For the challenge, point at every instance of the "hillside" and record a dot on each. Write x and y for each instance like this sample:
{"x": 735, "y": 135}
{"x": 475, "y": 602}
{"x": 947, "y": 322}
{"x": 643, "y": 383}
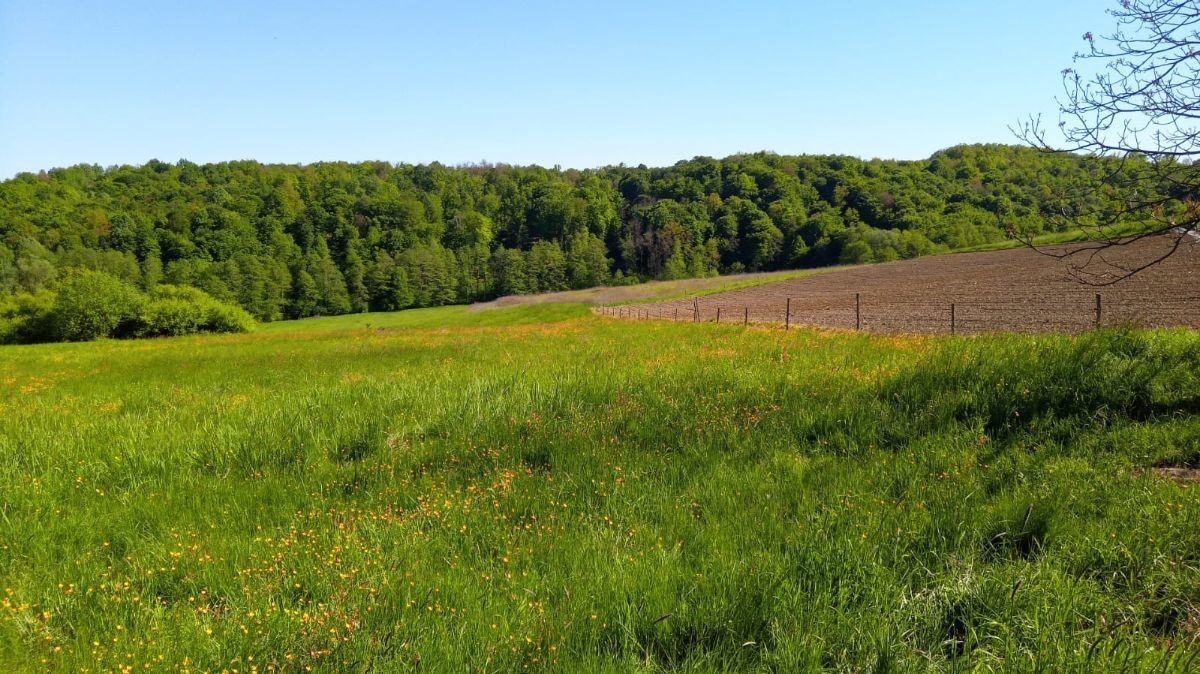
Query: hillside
{"x": 332, "y": 238}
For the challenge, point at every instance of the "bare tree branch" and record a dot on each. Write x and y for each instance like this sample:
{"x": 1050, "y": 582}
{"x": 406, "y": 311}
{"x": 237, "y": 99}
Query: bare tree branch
{"x": 1132, "y": 101}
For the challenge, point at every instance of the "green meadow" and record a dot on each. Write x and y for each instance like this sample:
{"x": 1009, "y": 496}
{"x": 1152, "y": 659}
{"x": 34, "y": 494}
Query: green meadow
{"x": 542, "y": 489}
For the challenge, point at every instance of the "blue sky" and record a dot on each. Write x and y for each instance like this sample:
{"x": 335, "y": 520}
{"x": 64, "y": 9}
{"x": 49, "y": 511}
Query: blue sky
{"x": 578, "y": 84}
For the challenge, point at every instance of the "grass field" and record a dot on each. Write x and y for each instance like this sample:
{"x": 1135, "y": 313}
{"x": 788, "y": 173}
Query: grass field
{"x": 655, "y": 291}
{"x": 540, "y": 489}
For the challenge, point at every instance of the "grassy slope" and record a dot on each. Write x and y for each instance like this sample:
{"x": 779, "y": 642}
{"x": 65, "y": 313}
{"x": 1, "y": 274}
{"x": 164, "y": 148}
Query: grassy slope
{"x": 456, "y": 316}
{"x": 566, "y": 493}
{"x": 1077, "y": 235}
{"x": 653, "y": 291}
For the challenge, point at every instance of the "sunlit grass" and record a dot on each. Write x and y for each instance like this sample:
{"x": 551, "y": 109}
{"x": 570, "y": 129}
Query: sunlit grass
{"x": 540, "y": 489}
{"x": 437, "y": 317}
{"x": 1074, "y": 235}
{"x": 721, "y": 284}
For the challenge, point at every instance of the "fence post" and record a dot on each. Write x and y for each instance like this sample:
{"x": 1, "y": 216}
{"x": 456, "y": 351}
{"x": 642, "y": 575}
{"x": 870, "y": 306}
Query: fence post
{"x": 718, "y": 315}
{"x": 952, "y": 327}
{"x": 677, "y": 313}
{"x": 746, "y": 320}
{"x": 857, "y": 313}
{"x": 695, "y": 311}
{"x": 1097, "y": 310}
{"x": 787, "y": 317}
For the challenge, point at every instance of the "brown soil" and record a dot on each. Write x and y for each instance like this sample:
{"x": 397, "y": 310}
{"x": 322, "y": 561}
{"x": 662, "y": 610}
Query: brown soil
{"x": 1019, "y": 290}
{"x": 1173, "y": 473}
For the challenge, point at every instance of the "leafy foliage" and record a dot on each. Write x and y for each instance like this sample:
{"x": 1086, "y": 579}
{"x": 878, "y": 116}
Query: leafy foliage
{"x": 178, "y": 310}
{"x": 333, "y": 238}
{"x": 91, "y": 304}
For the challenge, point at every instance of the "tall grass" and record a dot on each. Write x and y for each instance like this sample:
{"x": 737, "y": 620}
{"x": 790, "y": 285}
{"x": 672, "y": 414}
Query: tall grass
{"x": 543, "y": 490}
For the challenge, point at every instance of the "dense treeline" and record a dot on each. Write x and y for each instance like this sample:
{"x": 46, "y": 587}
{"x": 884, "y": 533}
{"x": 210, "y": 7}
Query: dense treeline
{"x": 287, "y": 241}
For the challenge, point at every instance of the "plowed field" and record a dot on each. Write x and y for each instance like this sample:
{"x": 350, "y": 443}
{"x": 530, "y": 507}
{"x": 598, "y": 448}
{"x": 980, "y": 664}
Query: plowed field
{"x": 1018, "y": 290}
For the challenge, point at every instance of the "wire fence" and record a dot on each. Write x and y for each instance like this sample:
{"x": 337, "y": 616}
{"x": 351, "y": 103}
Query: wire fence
{"x": 917, "y": 313}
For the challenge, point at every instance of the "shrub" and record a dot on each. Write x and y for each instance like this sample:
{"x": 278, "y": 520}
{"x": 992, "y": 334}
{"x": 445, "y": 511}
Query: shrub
{"x": 25, "y": 318}
{"x": 169, "y": 317}
{"x": 223, "y": 317}
{"x": 92, "y": 304}
{"x": 180, "y": 310}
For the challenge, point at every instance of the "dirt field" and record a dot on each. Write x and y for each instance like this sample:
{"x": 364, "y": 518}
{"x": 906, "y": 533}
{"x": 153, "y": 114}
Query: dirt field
{"x": 1019, "y": 290}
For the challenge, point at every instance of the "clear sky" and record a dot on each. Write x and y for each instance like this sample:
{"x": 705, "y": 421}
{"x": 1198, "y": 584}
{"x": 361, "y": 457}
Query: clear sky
{"x": 573, "y": 82}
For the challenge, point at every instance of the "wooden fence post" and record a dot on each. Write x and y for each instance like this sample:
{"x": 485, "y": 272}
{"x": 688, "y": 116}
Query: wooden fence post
{"x": 695, "y": 311}
{"x": 746, "y": 320}
{"x": 1097, "y": 310}
{"x": 787, "y": 317}
{"x": 857, "y": 313}
{"x": 718, "y": 315}
{"x": 952, "y": 327}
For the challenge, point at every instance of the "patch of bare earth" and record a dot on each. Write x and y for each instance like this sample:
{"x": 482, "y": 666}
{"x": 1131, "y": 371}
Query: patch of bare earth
{"x": 1017, "y": 290}
{"x": 1176, "y": 473}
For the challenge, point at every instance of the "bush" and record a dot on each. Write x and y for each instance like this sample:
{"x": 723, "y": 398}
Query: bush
{"x": 180, "y": 310}
{"x": 227, "y": 318}
{"x": 92, "y": 304}
{"x": 169, "y": 317}
{"x": 25, "y": 318}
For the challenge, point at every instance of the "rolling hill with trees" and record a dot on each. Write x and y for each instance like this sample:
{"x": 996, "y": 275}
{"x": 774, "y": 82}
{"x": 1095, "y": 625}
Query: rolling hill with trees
{"x": 291, "y": 241}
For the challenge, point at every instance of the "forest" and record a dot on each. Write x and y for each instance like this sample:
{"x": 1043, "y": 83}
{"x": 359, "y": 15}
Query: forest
{"x": 292, "y": 241}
